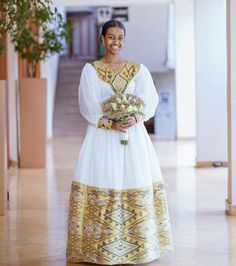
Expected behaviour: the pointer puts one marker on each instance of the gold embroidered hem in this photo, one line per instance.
(118, 81)
(109, 226)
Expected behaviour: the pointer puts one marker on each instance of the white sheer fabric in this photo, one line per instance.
(103, 161)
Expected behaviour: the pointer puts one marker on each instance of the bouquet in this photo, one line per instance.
(121, 106)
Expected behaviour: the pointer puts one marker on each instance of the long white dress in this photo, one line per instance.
(118, 211)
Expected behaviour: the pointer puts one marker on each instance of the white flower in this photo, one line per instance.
(130, 108)
(118, 100)
(124, 98)
(114, 106)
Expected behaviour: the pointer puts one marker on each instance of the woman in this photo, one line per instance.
(118, 210)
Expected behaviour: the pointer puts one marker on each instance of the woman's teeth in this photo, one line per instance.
(115, 46)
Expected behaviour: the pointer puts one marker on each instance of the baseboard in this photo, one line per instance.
(229, 208)
(211, 164)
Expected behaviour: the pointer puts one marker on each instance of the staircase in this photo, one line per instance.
(68, 121)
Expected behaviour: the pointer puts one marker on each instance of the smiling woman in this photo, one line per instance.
(113, 39)
(118, 211)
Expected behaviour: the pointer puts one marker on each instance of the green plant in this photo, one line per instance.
(5, 23)
(36, 30)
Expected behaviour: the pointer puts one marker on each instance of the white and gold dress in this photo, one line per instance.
(118, 211)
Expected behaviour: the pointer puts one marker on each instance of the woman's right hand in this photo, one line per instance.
(119, 126)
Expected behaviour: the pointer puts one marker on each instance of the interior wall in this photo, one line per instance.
(210, 28)
(147, 36)
(185, 69)
(49, 70)
(12, 69)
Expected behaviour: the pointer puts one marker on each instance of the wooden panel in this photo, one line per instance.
(4, 76)
(33, 107)
(3, 148)
(3, 66)
(22, 65)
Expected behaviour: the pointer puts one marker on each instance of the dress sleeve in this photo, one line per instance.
(90, 98)
(146, 90)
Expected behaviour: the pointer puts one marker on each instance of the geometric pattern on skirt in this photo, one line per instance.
(110, 226)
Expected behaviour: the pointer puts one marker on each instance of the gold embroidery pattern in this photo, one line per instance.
(108, 226)
(104, 123)
(118, 81)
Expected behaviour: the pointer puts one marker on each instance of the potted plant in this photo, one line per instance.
(38, 31)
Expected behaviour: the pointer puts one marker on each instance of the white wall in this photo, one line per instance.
(233, 95)
(12, 64)
(210, 28)
(185, 69)
(165, 117)
(147, 35)
(49, 70)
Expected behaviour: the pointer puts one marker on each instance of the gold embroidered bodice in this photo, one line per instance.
(118, 81)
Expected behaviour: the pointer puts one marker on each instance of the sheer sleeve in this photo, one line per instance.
(90, 98)
(146, 90)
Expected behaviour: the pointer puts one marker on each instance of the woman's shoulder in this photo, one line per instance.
(139, 66)
(133, 65)
(144, 69)
(88, 68)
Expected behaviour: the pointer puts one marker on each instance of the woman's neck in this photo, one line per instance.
(111, 58)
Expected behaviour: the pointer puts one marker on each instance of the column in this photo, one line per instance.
(231, 100)
(210, 43)
(3, 148)
(185, 69)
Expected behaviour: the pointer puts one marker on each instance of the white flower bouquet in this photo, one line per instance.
(121, 106)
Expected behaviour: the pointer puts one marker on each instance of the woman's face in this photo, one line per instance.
(114, 40)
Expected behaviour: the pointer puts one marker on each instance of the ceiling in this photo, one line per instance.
(107, 2)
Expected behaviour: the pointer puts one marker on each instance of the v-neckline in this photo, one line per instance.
(112, 70)
(117, 81)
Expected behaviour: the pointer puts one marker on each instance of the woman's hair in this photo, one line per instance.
(111, 24)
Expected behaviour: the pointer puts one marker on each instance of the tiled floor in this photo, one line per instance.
(34, 231)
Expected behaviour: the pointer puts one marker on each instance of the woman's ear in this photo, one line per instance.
(102, 41)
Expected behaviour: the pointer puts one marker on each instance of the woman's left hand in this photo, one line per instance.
(130, 121)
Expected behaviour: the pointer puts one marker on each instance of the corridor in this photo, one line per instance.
(34, 232)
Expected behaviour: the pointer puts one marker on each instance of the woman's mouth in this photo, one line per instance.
(115, 47)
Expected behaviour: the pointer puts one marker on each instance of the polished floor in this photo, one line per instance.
(34, 231)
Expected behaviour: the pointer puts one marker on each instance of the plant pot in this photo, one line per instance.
(32, 122)
(3, 147)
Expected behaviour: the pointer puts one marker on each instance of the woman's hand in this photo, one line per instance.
(130, 121)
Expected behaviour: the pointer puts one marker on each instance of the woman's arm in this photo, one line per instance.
(146, 90)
